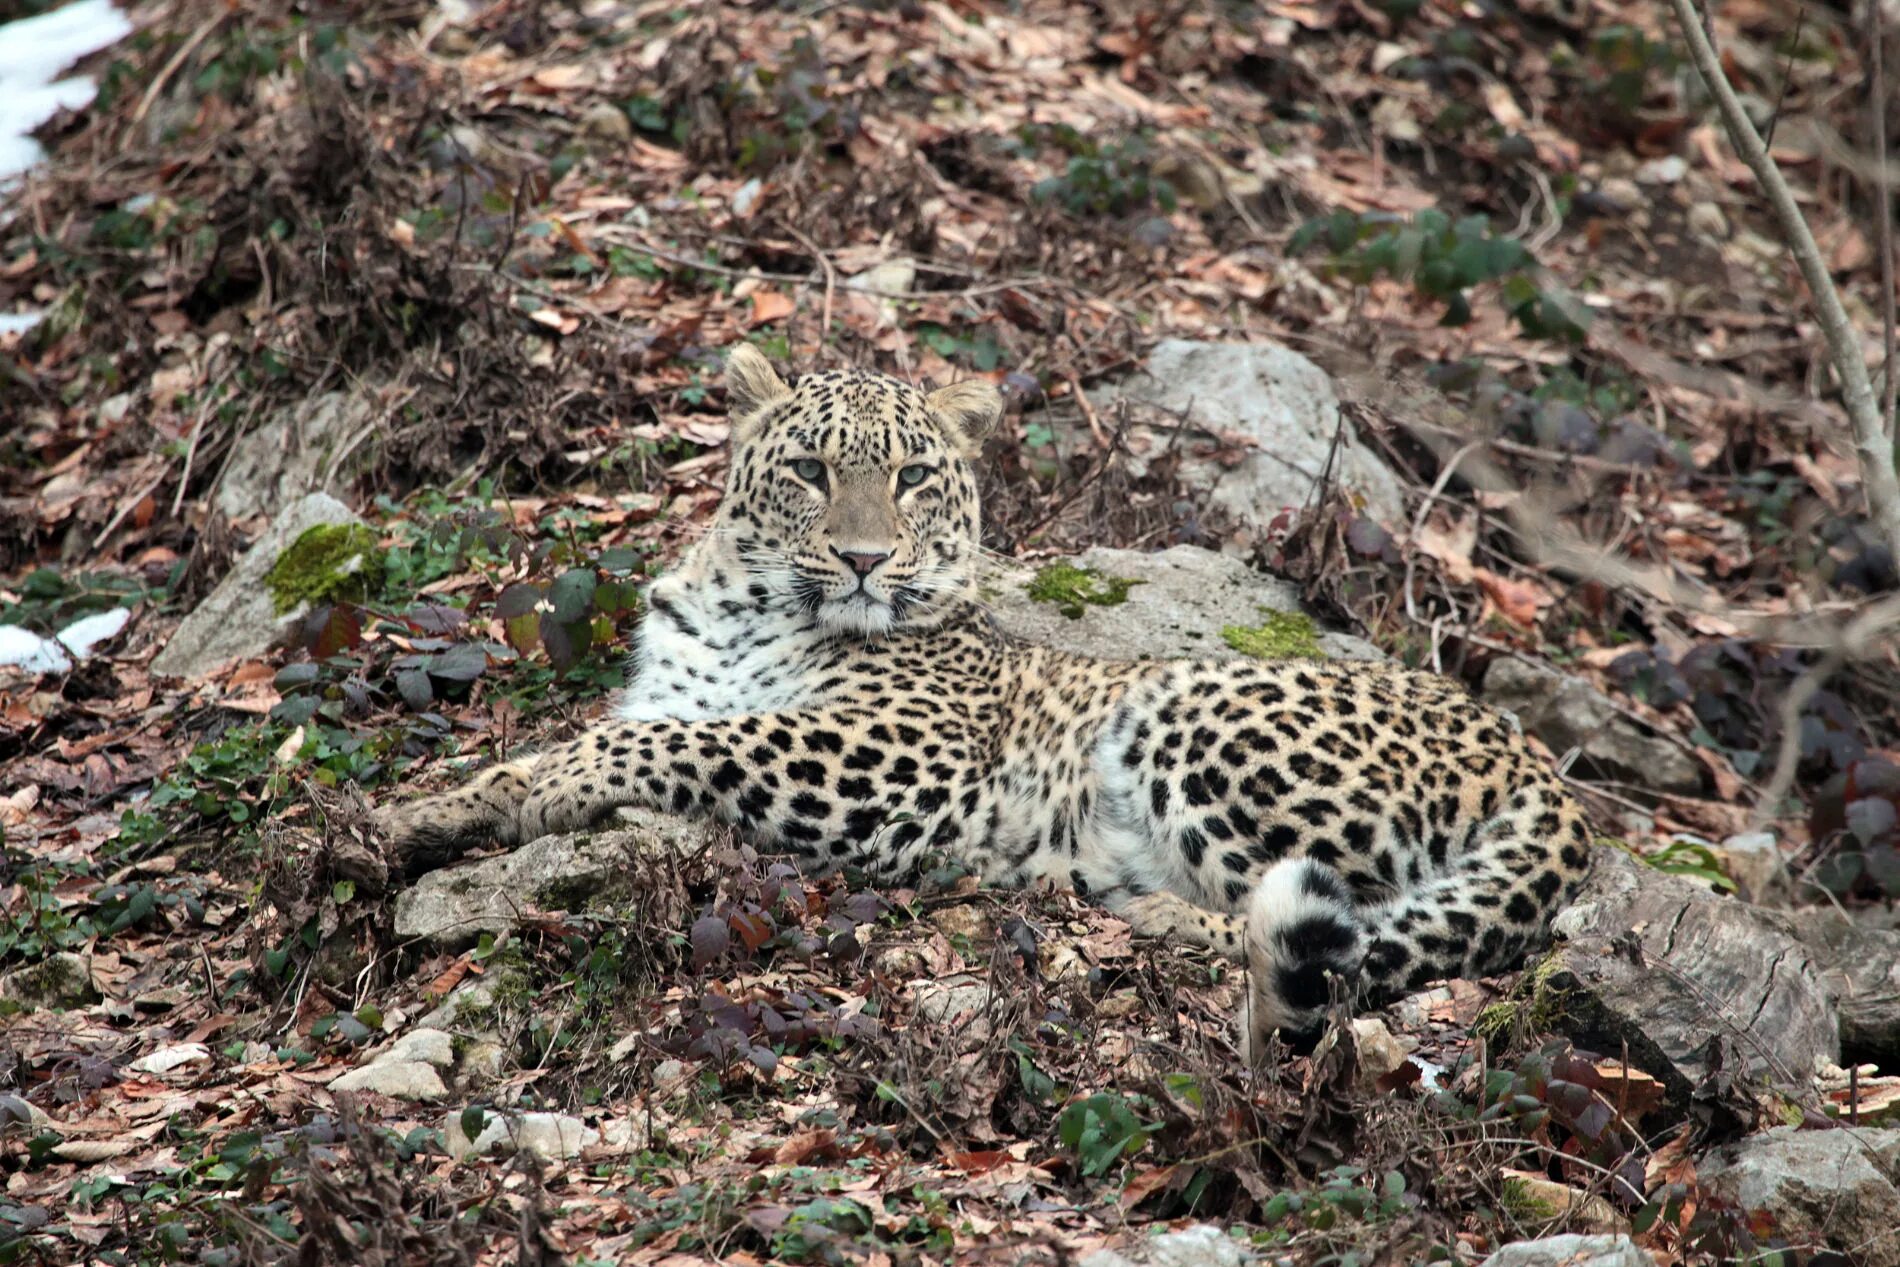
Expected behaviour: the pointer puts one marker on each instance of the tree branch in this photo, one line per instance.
(1872, 446)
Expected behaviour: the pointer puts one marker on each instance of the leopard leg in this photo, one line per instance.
(436, 830)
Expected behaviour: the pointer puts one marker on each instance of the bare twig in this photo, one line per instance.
(171, 67)
(1872, 445)
(1883, 203)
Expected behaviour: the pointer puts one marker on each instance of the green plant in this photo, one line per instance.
(1103, 1130)
(1100, 179)
(1443, 259)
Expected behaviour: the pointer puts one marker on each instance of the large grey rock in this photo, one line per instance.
(1267, 393)
(292, 454)
(1571, 1251)
(1860, 966)
(1839, 1188)
(238, 620)
(1672, 969)
(1185, 598)
(455, 905)
(1567, 712)
(1197, 1245)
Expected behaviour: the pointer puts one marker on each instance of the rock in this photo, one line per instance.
(430, 1046)
(1667, 170)
(1198, 1245)
(238, 619)
(1707, 222)
(1860, 968)
(1185, 598)
(1567, 712)
(1572, 1251)
(1755, 862)
(1835, 1188)
(1262, 391)
(969, 920)
(484, 1062)
(961, 1001)
(403, 1079)
(455, 905)
(550, 1136)
(1672, 969)
(1379, 1051)
(1534, 1198)
(293, 454)
(605, 122)
(60, 981)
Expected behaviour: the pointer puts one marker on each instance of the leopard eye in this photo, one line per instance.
(912, 476)
(811, 470)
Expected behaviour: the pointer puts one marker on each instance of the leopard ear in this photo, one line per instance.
(968, 412)
(751, 385)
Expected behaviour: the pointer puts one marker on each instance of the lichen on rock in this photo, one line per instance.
(326, 562)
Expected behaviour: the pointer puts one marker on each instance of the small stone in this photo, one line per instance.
(1755, 862)
(606, 122)
(1667, 170)
(902, 962)
(1706, 221)
(968, 920)
(430, 1046)
(1572, 1250)
(962, 1000)
(1534, 1198)
(625, 1134)
(550, 1136)
(483, 1062)
(1198, 1245)
(402, 1079)
(1624, 192)
(1380, 1051)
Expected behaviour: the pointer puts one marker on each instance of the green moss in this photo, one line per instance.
(1535, 1006)
(1072, 588)
(1280, 636)
(1525, 1205)
(327, 562)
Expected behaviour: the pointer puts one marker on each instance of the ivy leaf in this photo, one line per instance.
(414, 687)
(572, 595)
(463, 662)
(518, 599)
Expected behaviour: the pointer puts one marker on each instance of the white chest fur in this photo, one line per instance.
(702, 655)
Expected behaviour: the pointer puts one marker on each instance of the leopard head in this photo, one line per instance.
(851, 495)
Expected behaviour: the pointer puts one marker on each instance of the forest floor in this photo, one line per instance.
(510, 241)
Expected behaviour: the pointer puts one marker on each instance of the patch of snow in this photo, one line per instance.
(33, 52)
(24, 649)
(18, 322)
(88, 632)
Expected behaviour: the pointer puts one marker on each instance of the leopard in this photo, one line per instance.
(819, 670)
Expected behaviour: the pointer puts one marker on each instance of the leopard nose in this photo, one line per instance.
(863, 562)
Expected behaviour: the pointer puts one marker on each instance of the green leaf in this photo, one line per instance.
(342, 891)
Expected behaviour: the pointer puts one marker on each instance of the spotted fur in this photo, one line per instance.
(818, 672)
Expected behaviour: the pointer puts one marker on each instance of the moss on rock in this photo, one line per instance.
(327, 562)
(1279, 636)
(1072, 588)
